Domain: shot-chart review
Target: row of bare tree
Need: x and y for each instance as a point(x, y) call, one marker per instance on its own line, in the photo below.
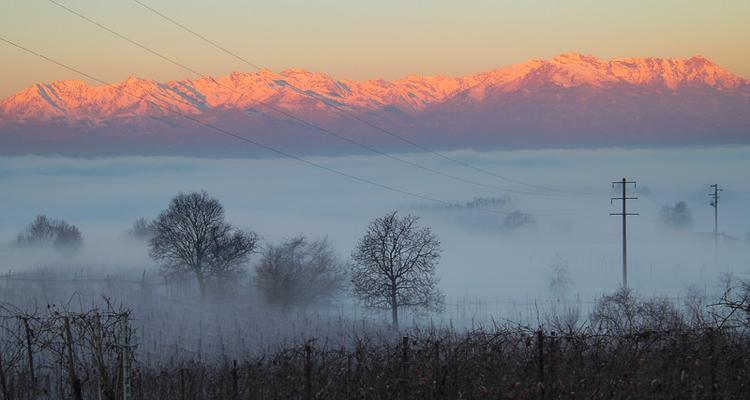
point(44, 231)
point(392, 266)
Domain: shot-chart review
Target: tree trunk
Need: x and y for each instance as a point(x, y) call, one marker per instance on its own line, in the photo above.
point(394, 310)
point(201, 284)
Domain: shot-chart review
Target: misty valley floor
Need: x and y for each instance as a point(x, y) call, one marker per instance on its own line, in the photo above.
point(497, 279)
point(281, 198)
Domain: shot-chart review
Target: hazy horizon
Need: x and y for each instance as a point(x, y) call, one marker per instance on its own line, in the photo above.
point(282, 198)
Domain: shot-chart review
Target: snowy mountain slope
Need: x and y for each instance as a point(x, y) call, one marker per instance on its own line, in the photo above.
point(570, 100)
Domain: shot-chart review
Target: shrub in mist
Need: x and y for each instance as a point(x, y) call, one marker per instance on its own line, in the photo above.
point(695, 309)
point(142, 229)
point(517, 220)
point(643, 190)
point(560, 282)
point(44, 231)
point(677, 216)
point(623, 313)
point(300, 272)
point(565, 315)
point(192, 237)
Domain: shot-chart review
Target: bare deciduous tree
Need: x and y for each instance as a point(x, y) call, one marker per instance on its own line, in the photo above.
point(560, 281)
point(300, 272)
point(394, 266)
point(47, 231)
point(677, 216)
point(734, 305)
point(517, 220)
point(192, 237)
point(142, 228)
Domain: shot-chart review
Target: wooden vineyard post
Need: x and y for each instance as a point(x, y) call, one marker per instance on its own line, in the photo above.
point(712, 363)
point(308, 372)
point(30, 355)
point(75, 383)
point(436, 371)
point(3, 380)
point(404, 368)
point(182, 383)
point(347, 390)
point(127, 392)
point(540, 346)
point(553, 354)
point(235, 381)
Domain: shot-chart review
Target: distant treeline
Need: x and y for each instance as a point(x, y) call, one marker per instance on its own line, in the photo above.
point(473, 204)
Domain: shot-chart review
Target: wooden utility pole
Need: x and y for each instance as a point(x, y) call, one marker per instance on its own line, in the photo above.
point(624, 182)
point(715, 204)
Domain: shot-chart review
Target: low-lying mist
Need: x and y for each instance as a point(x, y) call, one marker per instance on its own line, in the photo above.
point(493, 266)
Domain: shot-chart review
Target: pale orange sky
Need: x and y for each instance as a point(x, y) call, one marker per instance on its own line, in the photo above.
point(361, 39)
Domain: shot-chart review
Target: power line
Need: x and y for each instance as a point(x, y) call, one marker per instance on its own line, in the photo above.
point(355, 117)
point(242, 138)
point(289, 115)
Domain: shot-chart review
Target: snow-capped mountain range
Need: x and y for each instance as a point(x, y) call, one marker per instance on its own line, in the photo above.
point(568, 101)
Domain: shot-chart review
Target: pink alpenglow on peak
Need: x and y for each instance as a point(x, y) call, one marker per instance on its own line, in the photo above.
point(571, 100)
